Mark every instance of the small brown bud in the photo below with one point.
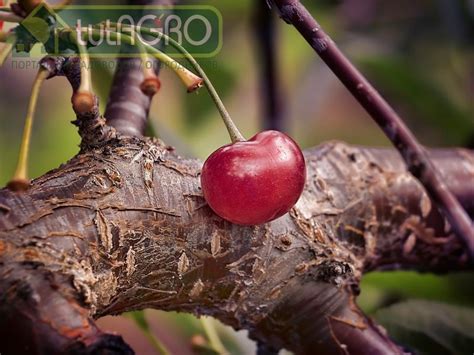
(150, 86)
(82, 102)
(19, 185)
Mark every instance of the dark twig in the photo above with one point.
(272, 105)
(415, 156)
(92, 127)
(128, 107)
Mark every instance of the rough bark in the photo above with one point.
(124, 226)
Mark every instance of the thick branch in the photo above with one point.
(415, 156)
(126, 224)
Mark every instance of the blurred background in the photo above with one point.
(418, 53)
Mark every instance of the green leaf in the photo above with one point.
(380, 287)
(430, 327)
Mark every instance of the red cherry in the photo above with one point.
(254, 181)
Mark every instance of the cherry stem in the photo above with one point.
(181, 71)
(86, 81)
(21, 172)
(148, 72)
(234, 132)
(191, 80)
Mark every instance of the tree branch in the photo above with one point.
(124, 226)
(415, 156)
(266, 35)
(128, 107)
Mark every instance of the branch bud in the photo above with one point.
(150, 85)
(82, 102)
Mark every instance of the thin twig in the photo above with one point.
(266, 46)
(183, 73)
(234, 132)
(415, 156)
(21, 170)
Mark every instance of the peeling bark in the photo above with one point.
(124, 226)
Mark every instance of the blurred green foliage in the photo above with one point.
(419, 54)
(430, 103)
(430, 327)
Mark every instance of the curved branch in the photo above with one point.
(415, 156)
(127, 227)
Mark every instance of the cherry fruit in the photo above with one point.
(255, 181)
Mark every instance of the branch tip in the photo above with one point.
(198, 83)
